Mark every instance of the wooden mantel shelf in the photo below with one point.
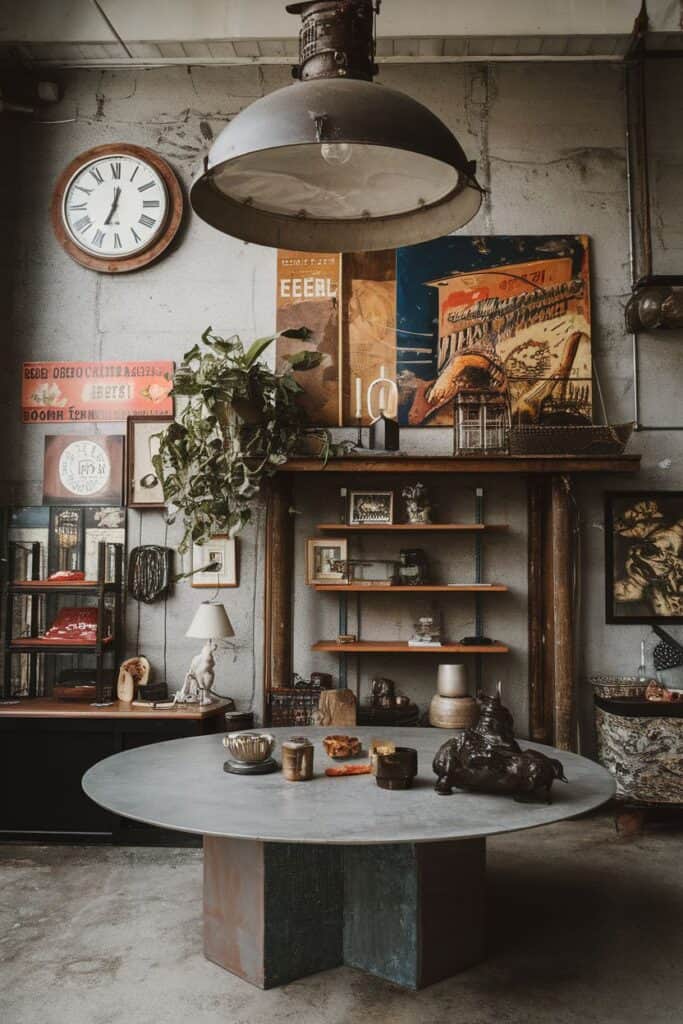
(451, 464)
(413, 527)
(392, 588)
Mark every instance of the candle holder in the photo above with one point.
(358, 420)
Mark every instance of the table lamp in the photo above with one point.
(210, 623)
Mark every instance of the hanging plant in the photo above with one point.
(239, 423)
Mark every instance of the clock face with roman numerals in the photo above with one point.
(116, 207)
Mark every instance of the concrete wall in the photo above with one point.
(549, 140)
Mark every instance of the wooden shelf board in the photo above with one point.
(413, 527)
(48, 707)
(466, 464)
(43, 587)
(402, 647)
(460, 588)
(57, 646)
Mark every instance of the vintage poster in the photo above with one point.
(505, 314)
(81, 470)
(308, 287)
(369, 329)
(105, 392)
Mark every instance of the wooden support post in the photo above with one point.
(563, 614)
(279, 575)
(540, 728)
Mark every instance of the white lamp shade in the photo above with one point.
(210, 622)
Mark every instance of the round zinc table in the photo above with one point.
(300, 877)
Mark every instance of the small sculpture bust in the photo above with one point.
(417, 504)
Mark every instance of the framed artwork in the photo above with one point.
(143, 487)
(214, 563)
(509, 314)
(644, 556)
(83, 469)
(324, 556)
(65, 551)
(102, 524)
(371, 508)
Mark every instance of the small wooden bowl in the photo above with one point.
(340, 747)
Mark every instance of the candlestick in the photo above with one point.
(359, 400)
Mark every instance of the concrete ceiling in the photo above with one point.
(101, 33)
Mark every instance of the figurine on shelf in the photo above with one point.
(382, 693)
(413, 569)
(427, 633)
(488, 759)
(417, 504)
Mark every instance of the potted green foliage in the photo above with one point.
(238, 422)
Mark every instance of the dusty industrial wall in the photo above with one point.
(549, 140)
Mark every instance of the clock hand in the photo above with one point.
(117, 193)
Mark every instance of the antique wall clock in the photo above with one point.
(116, 208)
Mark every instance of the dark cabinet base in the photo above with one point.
(42, 762)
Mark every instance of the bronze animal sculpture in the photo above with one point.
(488, 759)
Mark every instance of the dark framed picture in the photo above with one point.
(143, 487)
(83, 469)
(371, 508)
(644, 556)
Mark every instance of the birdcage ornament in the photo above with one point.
(481, 422)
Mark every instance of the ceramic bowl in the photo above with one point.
(249, 747)
(342, 746)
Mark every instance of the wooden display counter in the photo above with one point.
(47, 745)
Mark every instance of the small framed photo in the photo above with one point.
(643, 559)
(214, 563)
(143, 487)
(326, 559)
(371, 508)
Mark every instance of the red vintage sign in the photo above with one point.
(86, 392)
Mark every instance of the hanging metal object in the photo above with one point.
(149, 573)
(336, 163)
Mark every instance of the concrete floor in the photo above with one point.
(585, 927)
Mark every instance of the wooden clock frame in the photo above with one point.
(106, 264)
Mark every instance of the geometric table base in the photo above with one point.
(410, 913)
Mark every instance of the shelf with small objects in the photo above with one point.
(40, 626)
(333, 566)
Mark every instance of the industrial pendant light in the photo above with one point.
(336, 163)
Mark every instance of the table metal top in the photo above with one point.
(180, 784)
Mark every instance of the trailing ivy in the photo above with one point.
(240, 421)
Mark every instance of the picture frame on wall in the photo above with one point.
(143, 487)
(80, 469)
(219, 551)
(371, 508)
(323, 554)
(644, 557)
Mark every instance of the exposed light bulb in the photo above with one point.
(336, 152)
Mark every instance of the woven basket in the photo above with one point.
(570, 440)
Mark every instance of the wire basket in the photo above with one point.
(570, 440)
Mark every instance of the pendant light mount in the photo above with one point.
(336, 40)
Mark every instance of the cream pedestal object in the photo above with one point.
(453, 712)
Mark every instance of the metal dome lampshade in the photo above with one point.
(335, 162)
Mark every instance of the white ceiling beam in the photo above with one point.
(159, 21)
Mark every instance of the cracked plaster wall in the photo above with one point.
(549, 141)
